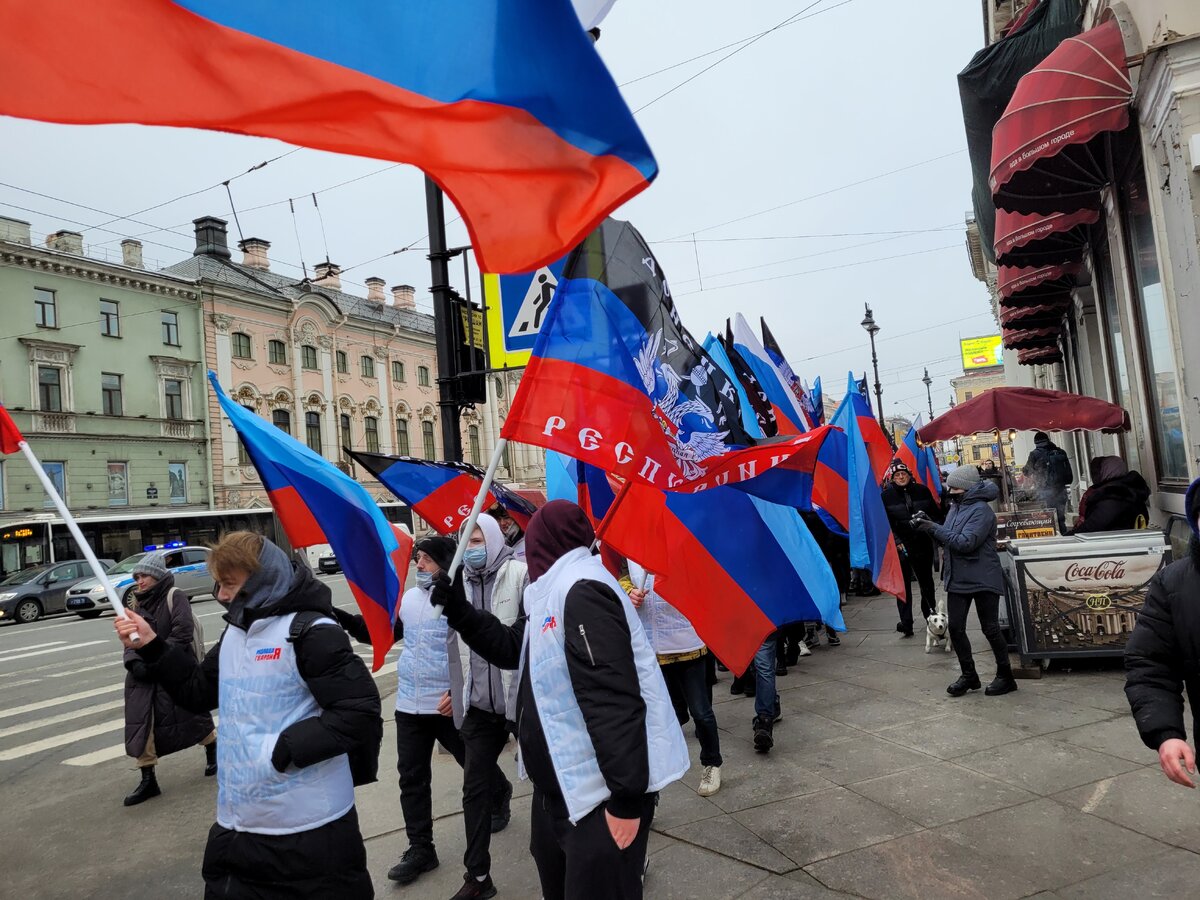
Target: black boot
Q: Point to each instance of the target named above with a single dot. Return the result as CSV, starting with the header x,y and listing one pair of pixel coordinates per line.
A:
x,y
147,788
416,861
965,683
1004,683
210,759
763,739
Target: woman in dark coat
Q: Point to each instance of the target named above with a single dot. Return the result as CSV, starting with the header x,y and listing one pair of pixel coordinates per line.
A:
x,y
154,725
1115,501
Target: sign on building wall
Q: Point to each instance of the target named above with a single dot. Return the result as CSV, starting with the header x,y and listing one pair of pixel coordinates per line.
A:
x,y
516,308
981,352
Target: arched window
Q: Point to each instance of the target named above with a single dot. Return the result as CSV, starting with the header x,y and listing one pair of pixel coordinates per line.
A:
x,y
427,440
371,430
423,376
473,443
312,431
402,446
343,365
282,419
368,366
308,356
241,345
277,353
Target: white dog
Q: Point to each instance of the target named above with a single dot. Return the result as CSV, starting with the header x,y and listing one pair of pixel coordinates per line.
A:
x,y
937,628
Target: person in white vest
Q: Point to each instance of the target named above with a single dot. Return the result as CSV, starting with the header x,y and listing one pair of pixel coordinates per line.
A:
x,y
596,731
482,696
682,658
423,708
299,727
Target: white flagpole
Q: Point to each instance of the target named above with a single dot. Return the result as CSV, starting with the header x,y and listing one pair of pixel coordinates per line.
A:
x,y
469,527
94,563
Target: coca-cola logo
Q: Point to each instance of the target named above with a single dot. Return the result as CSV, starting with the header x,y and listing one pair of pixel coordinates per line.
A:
x,y
1105,570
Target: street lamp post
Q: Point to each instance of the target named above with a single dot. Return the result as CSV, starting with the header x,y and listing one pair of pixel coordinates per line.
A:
x,y
868,323
927,381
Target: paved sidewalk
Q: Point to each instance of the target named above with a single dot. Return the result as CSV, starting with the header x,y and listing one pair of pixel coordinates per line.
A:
x,y
882,786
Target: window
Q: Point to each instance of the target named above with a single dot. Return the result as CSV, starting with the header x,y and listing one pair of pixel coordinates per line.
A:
x,y
402,437
243,456
57,473
344,430
45,310
277,353
976,455
170,329
473,443
368,366
282,419
241,345
968,395
49,389
308,357
118,484
110,318
177,482
173,394
312,431
1161,371
423,376
397,370
110,394
427,439
195,557
343,366
371,431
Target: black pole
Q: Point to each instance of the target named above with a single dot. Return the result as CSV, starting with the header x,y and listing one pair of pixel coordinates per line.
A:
x,y
443,318
878,386
928,392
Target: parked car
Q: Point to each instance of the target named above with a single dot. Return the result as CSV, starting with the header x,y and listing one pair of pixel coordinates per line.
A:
x,y
28,595
328,564
189,565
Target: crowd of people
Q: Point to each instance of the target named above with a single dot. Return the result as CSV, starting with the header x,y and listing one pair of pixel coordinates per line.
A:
x,y
593,673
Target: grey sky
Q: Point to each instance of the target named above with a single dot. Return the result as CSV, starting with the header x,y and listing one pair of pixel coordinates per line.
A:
x,y
861,89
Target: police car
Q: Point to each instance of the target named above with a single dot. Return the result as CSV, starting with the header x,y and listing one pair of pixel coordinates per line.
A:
x,y
189,565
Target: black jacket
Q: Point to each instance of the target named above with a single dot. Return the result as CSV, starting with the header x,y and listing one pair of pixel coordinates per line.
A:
x,y
900,503
1162,655
603,675
349,722
1113,505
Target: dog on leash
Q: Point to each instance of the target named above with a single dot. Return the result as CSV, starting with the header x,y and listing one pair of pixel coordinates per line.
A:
x,y
937,628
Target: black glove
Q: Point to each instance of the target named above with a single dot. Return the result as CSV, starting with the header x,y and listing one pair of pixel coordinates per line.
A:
x,y
345,618
281,756
920,520
450,595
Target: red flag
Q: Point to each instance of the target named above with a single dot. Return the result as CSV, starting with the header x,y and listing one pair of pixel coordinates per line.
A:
x,y
10,435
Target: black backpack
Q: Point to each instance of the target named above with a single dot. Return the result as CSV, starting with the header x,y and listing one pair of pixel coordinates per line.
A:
x,y
1059,467
364,759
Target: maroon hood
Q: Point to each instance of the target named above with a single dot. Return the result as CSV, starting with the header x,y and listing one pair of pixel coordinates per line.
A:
x,y
557,528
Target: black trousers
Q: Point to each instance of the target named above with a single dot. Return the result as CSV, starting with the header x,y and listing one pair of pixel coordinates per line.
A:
x,y
918,567
484,735
414,749
987,607
582,862
687,684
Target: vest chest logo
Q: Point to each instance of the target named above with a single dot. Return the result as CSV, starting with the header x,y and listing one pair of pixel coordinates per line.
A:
x,y
267,654
548,623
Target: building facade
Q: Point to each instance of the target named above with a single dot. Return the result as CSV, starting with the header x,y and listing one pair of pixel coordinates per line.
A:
x,y
976,448
101,367
1128,300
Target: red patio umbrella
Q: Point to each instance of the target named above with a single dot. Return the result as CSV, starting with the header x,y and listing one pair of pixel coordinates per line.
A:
x,y
1026,409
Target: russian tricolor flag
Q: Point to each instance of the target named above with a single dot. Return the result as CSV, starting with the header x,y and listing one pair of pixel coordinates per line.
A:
x,y
788,414
504,103
317,503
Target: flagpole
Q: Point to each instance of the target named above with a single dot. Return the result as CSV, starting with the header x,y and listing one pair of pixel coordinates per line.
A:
x,y
469,526
94,563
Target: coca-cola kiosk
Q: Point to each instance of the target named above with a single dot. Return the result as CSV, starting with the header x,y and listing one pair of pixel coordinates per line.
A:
x,y
1079,595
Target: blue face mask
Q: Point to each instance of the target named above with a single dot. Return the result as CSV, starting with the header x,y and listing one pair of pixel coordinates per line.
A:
x,y
424,579
475,558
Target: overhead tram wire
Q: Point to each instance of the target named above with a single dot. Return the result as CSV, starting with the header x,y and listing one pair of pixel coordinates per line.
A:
x,y
750,43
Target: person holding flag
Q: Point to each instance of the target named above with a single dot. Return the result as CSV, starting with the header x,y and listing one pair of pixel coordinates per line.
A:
x,y
299,727
902,498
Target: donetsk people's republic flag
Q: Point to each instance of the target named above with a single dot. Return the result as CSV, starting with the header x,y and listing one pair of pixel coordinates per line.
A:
x,y
504,103
317,503
615,380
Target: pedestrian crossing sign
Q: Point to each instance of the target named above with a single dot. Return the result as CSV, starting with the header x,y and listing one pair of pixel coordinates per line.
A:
x,y
516,308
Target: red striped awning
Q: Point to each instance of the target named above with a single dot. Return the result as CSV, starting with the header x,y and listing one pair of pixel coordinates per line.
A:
x,y
1042,239
1025,338
1039,356
1031,282
1040,314
1044,154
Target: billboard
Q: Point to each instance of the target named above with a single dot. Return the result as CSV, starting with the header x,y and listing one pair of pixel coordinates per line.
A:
x,y
981,352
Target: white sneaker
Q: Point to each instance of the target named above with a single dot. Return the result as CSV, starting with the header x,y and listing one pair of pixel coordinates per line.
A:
x,y
710,783
804,651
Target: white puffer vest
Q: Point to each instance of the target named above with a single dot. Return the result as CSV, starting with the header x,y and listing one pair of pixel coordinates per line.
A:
x,y
261,694
506,606
423,666
570,746
667,628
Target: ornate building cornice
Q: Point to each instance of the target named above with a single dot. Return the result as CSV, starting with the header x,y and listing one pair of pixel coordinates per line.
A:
x,y
87,270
